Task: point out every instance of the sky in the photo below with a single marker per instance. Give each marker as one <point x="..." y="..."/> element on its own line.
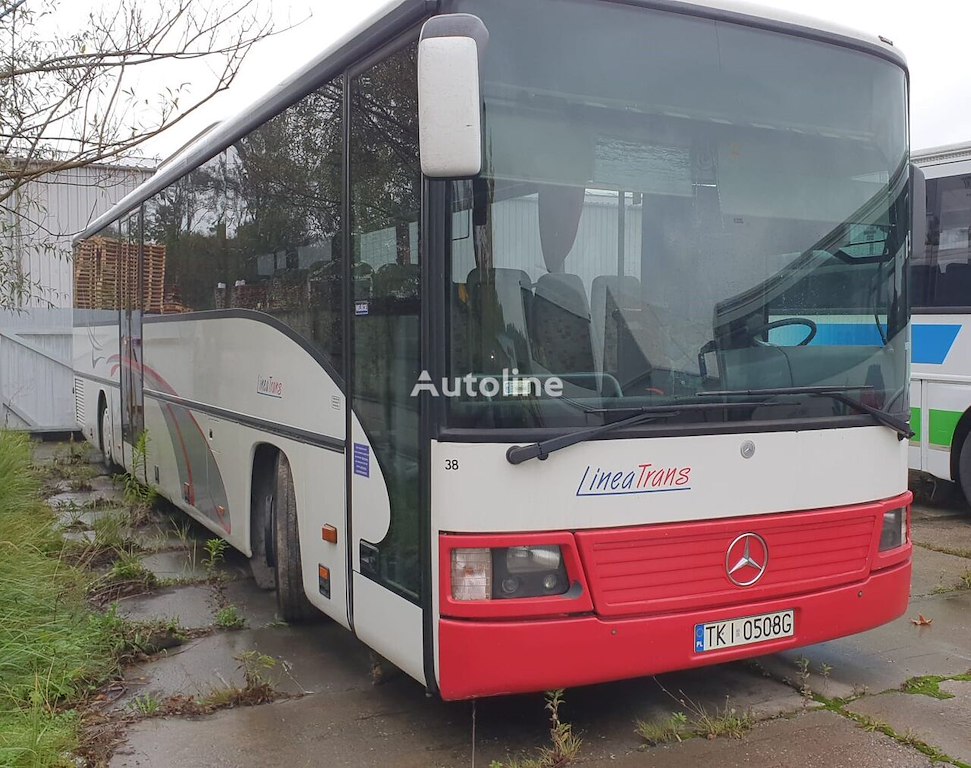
<point x="933" y="35"/>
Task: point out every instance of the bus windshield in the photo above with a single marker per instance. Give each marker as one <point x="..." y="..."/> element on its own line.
<point x="672" y="206"/>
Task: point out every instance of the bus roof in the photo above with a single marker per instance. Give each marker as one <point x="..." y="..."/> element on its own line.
<point x="398" y="15"/>
<point x="946" y="153"/>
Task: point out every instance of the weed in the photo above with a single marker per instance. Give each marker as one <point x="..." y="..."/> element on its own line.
<point x="564" y="744"/>
<point x="215" y="549"/>
<point x="696" y="720"/>
<point x="128" y="576"/>
<point x="112" y="530"/>
<point x="674" y="728"/>
<point x="965" y="582"/>
<point x="136" y="639"/>
<point x="230" y="618"/>
<point x="802" y="665"/>
<point x="726" y="721"/>
<point x="146" y="705"/>
<point x="138" y="493"/>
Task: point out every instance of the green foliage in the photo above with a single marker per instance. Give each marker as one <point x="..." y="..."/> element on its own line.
<point x="695" y="720"/>
<point x="215" y="554"/>
<point x="53" y="649"/>
<point x="138" y="493"/>
<point x="230" y="618"/>
<point x="564" y="745"/>
<point x="674" y="728"/>
<point x="146" y="705"/>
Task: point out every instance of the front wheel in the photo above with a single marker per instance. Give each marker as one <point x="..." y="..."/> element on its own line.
<point x="964" y="468"/>
<point x="291" y="599"/>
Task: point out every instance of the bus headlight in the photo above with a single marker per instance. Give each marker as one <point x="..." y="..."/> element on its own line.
<point x="508" y="572"/>
<point x="894" y="533"/>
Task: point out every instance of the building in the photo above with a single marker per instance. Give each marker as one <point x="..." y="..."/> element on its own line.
<point x="37" y="224"/>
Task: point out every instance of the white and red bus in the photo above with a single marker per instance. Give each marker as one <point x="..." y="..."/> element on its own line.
<point x="462" y="334"/>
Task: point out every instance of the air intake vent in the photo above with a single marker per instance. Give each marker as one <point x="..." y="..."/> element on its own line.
<point x="79" y="400"/>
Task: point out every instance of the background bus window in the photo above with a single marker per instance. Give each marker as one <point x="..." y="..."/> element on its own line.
<point x="941" y="276"/>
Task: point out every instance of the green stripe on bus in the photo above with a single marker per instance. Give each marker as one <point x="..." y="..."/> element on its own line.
<point x="915" y="423"/>
<point x="941" y="426"/>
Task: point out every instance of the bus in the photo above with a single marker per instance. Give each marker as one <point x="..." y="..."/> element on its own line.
<point x="492" y="334"/>
<point x="941" y="297"/>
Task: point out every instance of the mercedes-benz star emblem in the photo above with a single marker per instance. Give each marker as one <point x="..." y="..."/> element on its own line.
<point x="746" y="559"/>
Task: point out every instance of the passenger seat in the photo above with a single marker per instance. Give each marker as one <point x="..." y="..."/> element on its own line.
<point x="559" y="327"/>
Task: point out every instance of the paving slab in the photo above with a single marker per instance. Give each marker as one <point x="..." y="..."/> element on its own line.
<point x="359" y="731"/>
<point x="192" y="606"/>
<point x="80" y="498"/>
<point x="937" y="572"/>
<point x="942" y="723"/>
<point x="399" y="717"/>
<point x="819" y="739"/>
<point x="72" y="515"/>
<point x="311" y="659"/>
<point x="884" y="658"/>
<point x="181" y="564"/>
<point x="945" y="534"/>
<point x="257" y="606"/>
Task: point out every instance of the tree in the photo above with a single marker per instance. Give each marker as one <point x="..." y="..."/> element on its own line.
<point x="74" y="95"/>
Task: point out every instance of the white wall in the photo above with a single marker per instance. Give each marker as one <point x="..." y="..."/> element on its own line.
<point x="36" y="377"/>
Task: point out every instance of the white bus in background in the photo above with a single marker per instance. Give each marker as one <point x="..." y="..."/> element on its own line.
<point x="646" y="203"/>
<point x="940" y="291"/>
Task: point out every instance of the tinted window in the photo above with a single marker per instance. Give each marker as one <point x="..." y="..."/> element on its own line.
<point x="258" y="226"/>
<point x="941" y="276"/>
<point x="385" y="209"/>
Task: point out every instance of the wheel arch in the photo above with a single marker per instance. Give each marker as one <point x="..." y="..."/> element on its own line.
<point x="961" y="433"/>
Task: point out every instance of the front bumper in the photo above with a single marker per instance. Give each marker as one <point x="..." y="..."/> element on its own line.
<point x="487" y="658"/>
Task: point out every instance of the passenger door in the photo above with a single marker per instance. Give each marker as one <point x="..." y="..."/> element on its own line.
<point x="385" y="205"/>
<point x="130" y="307"/>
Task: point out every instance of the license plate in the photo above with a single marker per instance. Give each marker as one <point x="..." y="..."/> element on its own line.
<point x="752" y="629"/>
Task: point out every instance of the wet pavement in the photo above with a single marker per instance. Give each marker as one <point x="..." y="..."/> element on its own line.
<point x="838" y="703"/>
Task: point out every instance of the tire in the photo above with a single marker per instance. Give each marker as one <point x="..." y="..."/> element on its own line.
<point x="292" y="602"/>
<point x="106" y="456"/>
<point x="964" y="468"/>
<point x="261" y="501"/>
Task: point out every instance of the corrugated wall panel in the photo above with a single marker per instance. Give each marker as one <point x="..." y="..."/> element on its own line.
<point x="36" y="380"/>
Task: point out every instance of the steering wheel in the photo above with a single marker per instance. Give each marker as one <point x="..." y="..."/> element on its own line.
<point x="784" y="322"/>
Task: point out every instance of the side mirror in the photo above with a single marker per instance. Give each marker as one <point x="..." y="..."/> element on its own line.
<point x="918" y="212"/>
<point x="450" y="50"/>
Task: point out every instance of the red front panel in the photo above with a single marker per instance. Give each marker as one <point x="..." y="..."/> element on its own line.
<point x="495" y="657"/>
<point x="658" y="568"/>
<point x="650" y="586"/>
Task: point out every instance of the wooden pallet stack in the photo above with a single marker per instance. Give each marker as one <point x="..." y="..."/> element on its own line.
<point x="153" y="279"/>
<point x="106" y="275"/>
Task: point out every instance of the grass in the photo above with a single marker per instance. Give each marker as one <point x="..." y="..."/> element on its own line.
<point x="695" y="721"/>
<point x="930" y="685"/>
<point x="564" y="744"/>
<point x="229" y="617"/>
<point x="53" y="648"/>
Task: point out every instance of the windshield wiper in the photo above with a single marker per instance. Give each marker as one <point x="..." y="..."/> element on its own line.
<point x="517" y="454"/>
<point x="836" y="392"/>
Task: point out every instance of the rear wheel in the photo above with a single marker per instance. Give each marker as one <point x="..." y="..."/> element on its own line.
<point x="291" y="599"/>
<point x="106" y="454"/>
